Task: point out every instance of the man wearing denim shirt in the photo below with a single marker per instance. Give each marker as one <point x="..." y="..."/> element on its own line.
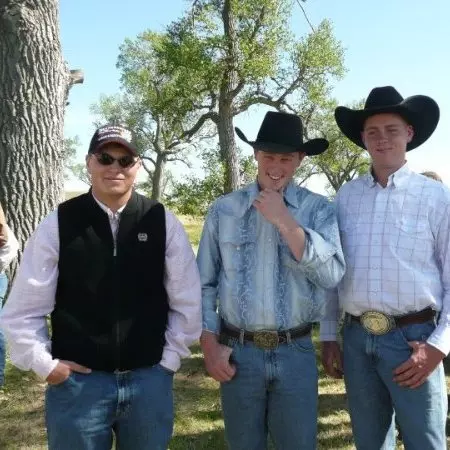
<point x="266" y="255"/>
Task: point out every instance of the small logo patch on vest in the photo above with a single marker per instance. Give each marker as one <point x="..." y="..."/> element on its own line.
<point x="142" y="237"/>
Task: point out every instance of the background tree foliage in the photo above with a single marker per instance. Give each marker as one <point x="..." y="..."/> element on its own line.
<point x="194" y="195"/>
<point x="224" y="56"/>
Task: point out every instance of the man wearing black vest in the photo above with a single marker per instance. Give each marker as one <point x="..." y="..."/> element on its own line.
<point x="118" y="277"/>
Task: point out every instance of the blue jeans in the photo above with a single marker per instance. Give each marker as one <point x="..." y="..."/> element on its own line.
<point x="373" y="396"/>
<point x="273" y="391"/>
<point x="83" y="411"/>
<point x="3" y="288"/>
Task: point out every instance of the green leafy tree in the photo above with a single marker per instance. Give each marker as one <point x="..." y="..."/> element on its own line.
<point x="224" y="56"/>
<point x="168" y="127"/>
<point x="194" y="195"/>
<point x="70" y="147"/>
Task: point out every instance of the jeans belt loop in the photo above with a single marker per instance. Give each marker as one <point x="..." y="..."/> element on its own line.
<point x="241" y="336"/>
<point x="288" y="337"/>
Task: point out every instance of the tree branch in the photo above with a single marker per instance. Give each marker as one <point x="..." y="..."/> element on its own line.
<point x="148" y="158"/>
<point x="76" y="77"/>
<point x="189" y="133"/>
<point x="265" y="99"/>
<point x="182" y="160"/>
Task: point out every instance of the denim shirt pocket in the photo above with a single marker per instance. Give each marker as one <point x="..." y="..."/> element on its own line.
<point x="237" y="243"/>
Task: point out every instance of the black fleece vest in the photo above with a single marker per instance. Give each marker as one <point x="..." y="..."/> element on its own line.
<point x="111" y="305"/>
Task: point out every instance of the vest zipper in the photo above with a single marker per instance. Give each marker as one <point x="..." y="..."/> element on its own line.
<point x="117" y="309"/>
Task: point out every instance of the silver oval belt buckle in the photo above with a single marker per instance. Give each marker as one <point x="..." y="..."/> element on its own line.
<point x="376" y="322"/>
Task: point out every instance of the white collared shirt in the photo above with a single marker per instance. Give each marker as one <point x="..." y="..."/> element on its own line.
<point x="32" y="297"/>
<point x="396" y="244"/>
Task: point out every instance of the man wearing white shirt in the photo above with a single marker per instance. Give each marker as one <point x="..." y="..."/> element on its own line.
<point x="395" y="230"/>
<point x="8" y="251"/>
<point x="117" y="274"/>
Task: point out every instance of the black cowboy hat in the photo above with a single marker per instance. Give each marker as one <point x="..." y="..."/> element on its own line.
<point x="419" y="111"/>
<point x="283" y="133"/>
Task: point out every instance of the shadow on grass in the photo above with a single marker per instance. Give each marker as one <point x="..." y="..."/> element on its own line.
<point x="206" y="440"/>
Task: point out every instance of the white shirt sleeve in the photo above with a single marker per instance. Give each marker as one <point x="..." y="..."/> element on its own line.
<point x="32" y="298"/>
<point x="9" y="251"/>
<point x="182" y="283"/>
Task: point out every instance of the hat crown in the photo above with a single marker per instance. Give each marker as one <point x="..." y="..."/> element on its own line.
<point x="281" y="128"/>
<point x="112" y="133"/>
<point x="380" y="97"/>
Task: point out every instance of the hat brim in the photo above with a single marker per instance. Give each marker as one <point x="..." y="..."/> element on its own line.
<point x="116" y="140"/>
<point x="311" y="148"/>
<point x="420" y="111"/>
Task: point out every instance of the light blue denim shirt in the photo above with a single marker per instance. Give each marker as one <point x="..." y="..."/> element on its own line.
<point x="250" y="277"/>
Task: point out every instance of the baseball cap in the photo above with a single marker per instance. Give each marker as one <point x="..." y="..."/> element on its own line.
<point x="116" y="134"/>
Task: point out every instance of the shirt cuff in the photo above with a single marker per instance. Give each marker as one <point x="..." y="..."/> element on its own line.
<point x="44" y="365"/>
<point x="170" y="360"/>
<point x="316" y="247"/>
<point x="211" y="322"/>
<point x="440" y="339"/>
<point x="328" y="330"/>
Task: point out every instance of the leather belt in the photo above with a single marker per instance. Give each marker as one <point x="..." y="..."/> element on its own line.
<point x="265" y="339"/>
<point x="376" y="322"/>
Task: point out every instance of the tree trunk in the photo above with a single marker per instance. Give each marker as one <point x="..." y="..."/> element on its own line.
<point x="34" y="83"/>
<point x="227" y="141"/>
<point x="158" y="176"/>
<point x="228" y="152"/>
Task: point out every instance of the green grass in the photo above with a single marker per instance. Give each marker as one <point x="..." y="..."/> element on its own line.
<point x="193" y="226"/>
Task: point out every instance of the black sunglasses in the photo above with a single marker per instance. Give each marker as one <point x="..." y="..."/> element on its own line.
<point x="105" y="159"/>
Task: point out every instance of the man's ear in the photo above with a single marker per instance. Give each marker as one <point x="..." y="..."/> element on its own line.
<point x="88" y="160"/>
<point x="410" y="131"/>
<point x="301" y="156"/>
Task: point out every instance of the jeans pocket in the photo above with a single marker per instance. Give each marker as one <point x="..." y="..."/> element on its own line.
<point x="303" y="344"/>
<point x="417" y="332"/>
<point x="63" y="383"/>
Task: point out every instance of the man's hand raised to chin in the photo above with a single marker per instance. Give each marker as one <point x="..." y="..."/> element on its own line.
<point x="271" y="205"/>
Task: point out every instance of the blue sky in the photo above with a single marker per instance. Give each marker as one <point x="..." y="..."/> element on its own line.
<point x="388" y="42"/>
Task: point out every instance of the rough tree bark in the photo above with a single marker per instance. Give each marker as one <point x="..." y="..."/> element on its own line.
<point x="228" y="90"/>
<point x="157" y="176"/>
<point x="34" y="85"/>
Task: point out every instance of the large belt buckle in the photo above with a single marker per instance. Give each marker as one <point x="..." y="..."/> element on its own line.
<point x="376" y="322"/>
<point x="267" y="340"/>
